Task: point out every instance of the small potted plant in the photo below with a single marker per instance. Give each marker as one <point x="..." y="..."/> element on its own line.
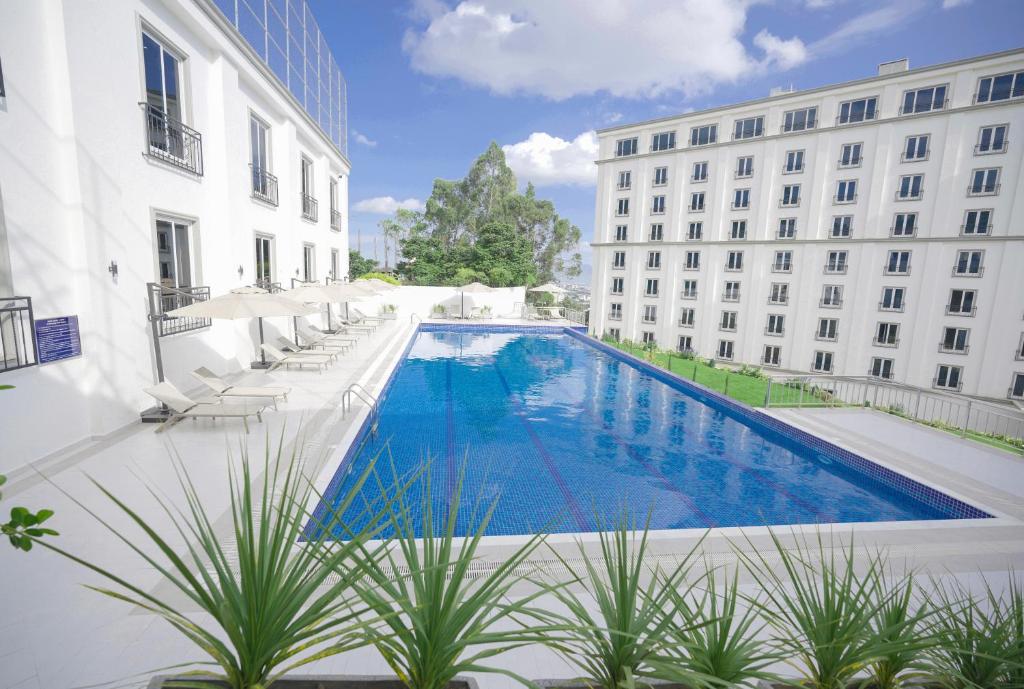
<point x="389" y="312"/>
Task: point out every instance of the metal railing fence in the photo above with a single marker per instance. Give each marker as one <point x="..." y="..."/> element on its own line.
<point x="17" y="334"/>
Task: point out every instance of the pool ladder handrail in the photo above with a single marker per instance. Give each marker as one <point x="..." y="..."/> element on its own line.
<point x="416" y="316"/>
<point x="357" y="390"/>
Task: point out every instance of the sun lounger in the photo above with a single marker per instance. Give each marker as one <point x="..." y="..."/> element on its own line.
<point x="289" y="347"/>
<point x="361" y="317"/>
<point x="184" y="407"/>
<point x="312" y="335"/>
<point x="321" y="361"/>
<point x="222" y="388"/>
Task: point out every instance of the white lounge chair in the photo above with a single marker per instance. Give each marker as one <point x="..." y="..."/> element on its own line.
<point x="362" y="317"/>
<point x="289" y="347"/>
<point x="222" y="388"/>
<point x="321" y="361"/>
<point x="313" y="336"/>
<point x="182" y="407"/>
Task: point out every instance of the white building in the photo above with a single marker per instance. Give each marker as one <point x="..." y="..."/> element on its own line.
<point x="867" y="228"/>
<point x="152" y="141"/>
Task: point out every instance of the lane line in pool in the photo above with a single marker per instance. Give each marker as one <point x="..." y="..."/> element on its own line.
<point x="563" y="487"/>
<point x="449" y="422"/>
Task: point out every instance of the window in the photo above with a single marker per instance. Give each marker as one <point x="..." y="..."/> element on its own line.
<point x="702" y="136"/>
<point x="992" y="139"/>
<point x="623" y="207"/>
<point x="308" y="263"/>
<point x="660" y="176"/>
<point x="725" y="348"/>
<point x="892" y="299"/>
<point x="822" y="362"/>
<point x="968" y="263"/>
<point x="174" y="253"/>
<point x="828" y="329"/>
<point x="846" y="191"/>
<point x="787" y="228"/>
<point x="832" y="296"/>
<point x="619" y="259"/>
<point x="648" y="338"/>
<point x="692" y="260"/>
<point x="618" y="285"/>
<point x="306" y="188"/>
<point x="685" y="344"/>
<point x="658" y="205"/>
<point x="835" y="262"/>
<point x="738" y="229"/>
<point x="977" y="222"/>
<point x="734" y="260"/>
<point x="3" y="92"/>
<point x="264" y="185"/>
<point x="625" y="179"/>
<point x="700" y="172"/>
<point x="695" y="231"/>
<point x="881" y="368"/>
<point x="697" y="201"/>
<point x="772" y="355"/>
<point x="1000" y="87"/>
<point x="1020" y="348"/>
<point x="689" y="289"/>
<point x="783" y="262"/>
<point x="650" y="313"/>
<point x="842" y="226"/>
<point x="1017" y="386"/>
<point x="626" y="147"/>
<point x="654" y="260"/>
<point x="915" y="148"/>
<point x="849" y="155"/>
<point x="651" y="289"/>
<point x="732" y="291"/>
<point x="335" y="263"/>
<point x="961" y="302"/>
<point x="799" y="120"/>
<point x="613" y="333"/>
<point x="686" y="318"/>
<point x="663" y="141"/>
<point x="728" y="321"/>
<point x="790" y="195"/>
<point x="657" y="232"/>
<point x="948" y="377"/>
<point x="745" y="166"/>
<point x="984" y="182"/>
<point x="898" y="263"/>
<point x="615" y="313"/>
<point x="264" y="259"/>
<point x="910" y="188"/>
<point x="904" y="224"/>
<point x="924" y="100"/>
<point x="741" y="199"/>
<point x="776" y="324"/>
<point x="859" y="110"/>
<point x="748" y="128"/>
<point x="621" y="232"/>
<point x="794" y="162"/>
<point x="887" y="335"/>
<point x="163" y="91"/>
<point x="954" y="340"/>
<point x="333" y="198"/>
<point x="779" y="293"/>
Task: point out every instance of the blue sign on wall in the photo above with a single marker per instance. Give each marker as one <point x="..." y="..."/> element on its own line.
<point x="58" y="338"/>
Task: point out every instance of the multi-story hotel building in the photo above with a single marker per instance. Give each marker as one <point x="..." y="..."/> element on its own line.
<point x="189" y="145"/>
<point x="867" y="228"/>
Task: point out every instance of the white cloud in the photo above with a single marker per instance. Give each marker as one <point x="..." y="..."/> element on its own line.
<point x="950" y="4"/>
<point x="549" y="160"/>
<point x="386" y="205"/>
<point x="361" y="138"/>
<point x="627" y="48"/>
<point x="614" y="117"/>
<point x="864" y="25"/>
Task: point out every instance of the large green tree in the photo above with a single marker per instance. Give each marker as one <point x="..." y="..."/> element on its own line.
<point x="481" y="227"/>
<point x="359" y="264"/>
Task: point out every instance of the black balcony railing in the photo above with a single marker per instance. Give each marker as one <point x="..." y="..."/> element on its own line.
<point x="309" y="209"/>
<point x="264" y="185"/>
<point x="335" y="220"/>
<point x="172" y="141"/>
<point x="165" y="299"/>
<point x="17" y="334"/>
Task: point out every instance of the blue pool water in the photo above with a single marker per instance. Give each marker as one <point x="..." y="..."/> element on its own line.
<point x="566" y="434"/>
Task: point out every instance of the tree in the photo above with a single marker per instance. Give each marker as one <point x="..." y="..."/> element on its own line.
<point x="504" y="255"/>
<point x="359" y="265"/>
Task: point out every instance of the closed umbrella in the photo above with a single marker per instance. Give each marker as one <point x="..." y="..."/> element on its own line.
<point x="472" y="288"/>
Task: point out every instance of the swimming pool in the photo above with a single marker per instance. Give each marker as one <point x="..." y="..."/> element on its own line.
<point x="568" y="433"/>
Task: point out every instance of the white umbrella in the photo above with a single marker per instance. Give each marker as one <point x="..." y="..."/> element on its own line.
<point x="340" y="292"/>
<point x="472" y="288"/>
<point x="374" y="283"/>
<point x="549" y="287"/>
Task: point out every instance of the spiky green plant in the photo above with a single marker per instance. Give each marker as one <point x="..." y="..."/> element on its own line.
<point x="906" y="626"/>
<point x="439" y="615"/>
<point x="715" y="636"/>
<point x="637" y="604"/>
<point x="276" y="608"/>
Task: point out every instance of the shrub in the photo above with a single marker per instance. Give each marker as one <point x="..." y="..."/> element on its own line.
<point x="390" y="279"/>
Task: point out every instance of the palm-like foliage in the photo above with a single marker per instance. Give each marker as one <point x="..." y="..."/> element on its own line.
<point x="637" y="606"/>
<point x="906" y="628"/>
<point x="440" y="618"/>
<point x="274" y="610"/>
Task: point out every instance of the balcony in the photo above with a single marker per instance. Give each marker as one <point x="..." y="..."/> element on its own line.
<point x="264" y="185"/>
<point x="830" y="303"/>
<point x="835" y="269"/>
<point x="934" y="108"/>
<point x="615" y="316"/>
<point x="309" y="207"/>
<point x="17" y="334"/>
<point x="898" y="308"/>
<point x="946" y="348"/>
<point x="773" y="333"/>
<point x="897" y="270"/>
<point x="979" y="151"/>
<point x="983" y="189"/>
<point x="904" y="158"/>
<point x="171" y="141"/>
<point x="960" y="311"/>
<point x="888" y="342"/>
<point x="955" y="388"/>
<point x="966" y="272"/>
<point x="976" y="229"/>
<point x="850" y="163"/>
<point x="688" y="295"/>
<point x="163" y="299"/>
<point x="335" y="220"/>
<point x="841" y="200"/>
<point x="909" y="196"/>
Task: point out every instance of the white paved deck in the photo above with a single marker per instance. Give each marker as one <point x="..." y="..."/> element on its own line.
<point x="55" y="634"/>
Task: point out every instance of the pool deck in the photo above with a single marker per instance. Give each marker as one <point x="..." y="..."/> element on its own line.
<point x="55" y="633"/>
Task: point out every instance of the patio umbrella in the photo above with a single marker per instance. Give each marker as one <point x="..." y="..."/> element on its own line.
<point x="549" y="287"/>
<point x="375" y="283"/>
<point x="472" y="288"/>
<point x="245" y="302"/>
<point x="341" y="292"/>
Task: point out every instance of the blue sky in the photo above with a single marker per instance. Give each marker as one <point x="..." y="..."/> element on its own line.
<point x="432" y="83"/>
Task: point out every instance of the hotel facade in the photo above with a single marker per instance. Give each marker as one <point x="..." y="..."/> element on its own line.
<point x="870" y="228"/>
<point x="150" y="150"/>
